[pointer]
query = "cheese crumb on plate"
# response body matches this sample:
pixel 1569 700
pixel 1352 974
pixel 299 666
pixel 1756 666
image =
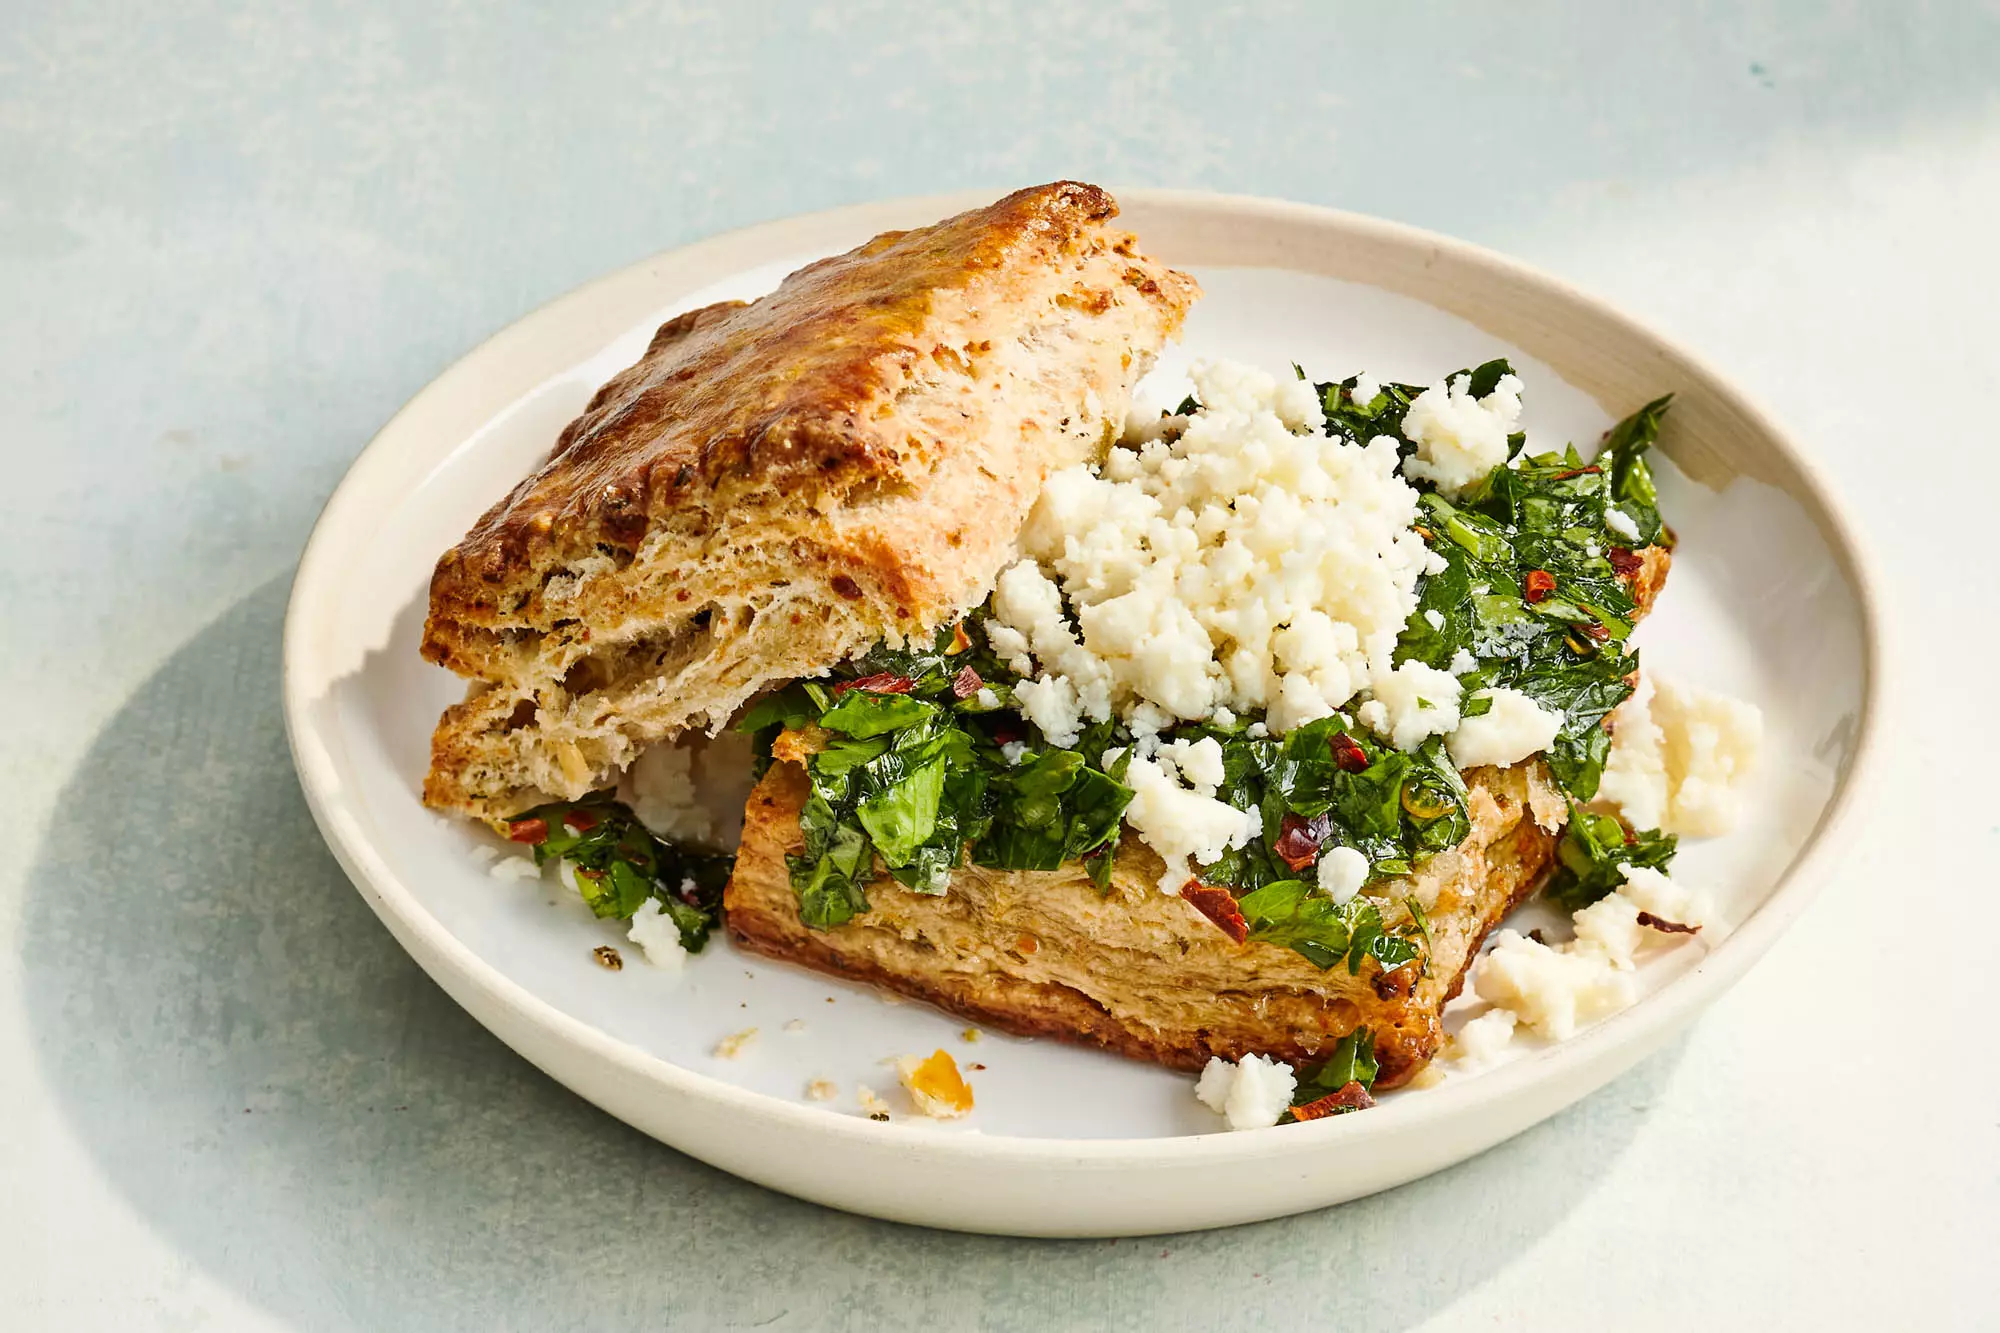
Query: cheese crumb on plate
pixel 1251 1093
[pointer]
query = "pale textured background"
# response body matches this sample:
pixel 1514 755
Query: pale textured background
pixel 232 243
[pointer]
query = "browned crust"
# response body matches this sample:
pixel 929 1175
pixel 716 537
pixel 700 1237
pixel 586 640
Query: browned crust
pixel 778 393
pixel 778 485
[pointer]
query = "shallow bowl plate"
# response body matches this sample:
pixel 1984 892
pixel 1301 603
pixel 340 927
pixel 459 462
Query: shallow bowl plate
pixel 1768 600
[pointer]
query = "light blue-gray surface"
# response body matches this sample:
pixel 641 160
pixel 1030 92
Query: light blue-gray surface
pixel 234 239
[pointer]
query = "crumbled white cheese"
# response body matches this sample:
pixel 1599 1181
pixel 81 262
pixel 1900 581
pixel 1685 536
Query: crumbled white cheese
pixel 515 867
pixel 1483 1039
pixel 691 790
pixel 1654 892
pixel 1342 872
pixel 1198 762
pixel 1508 732
pixel 1413 701
pixel 1365 389
pixel 656 934
pixel 1182 821
pixel 1051 703
pixel 1621 523
pixel 1554 989
pixel 1014 752
pixel 1252 1093
pixel 1462 663
pixel 1434 618
pixel 1460 438
pixel 1242 565
pixel 1680 757
pixel 986 698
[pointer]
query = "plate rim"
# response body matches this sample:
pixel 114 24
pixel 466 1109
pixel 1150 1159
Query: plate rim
pixel 1641 1026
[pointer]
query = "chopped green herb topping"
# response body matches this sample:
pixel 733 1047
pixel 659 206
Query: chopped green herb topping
pixel 1352 1063
pixel 619 864
pixel 1594 854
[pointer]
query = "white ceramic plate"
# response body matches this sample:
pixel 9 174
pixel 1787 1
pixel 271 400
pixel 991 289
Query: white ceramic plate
pixel 1768 600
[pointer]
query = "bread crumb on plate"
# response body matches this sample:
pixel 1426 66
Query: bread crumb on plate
pixel 935 1086
pixel 733 1045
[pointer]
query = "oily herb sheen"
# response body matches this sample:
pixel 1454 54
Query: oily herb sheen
pixel 619 865
pixel 917 760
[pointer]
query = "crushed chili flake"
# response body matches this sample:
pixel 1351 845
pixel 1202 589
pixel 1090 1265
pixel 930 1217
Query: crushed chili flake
pixel 1347 753
pixel 531 831
pixel 1297 843
pixel 579 821
pixel 1007 729
pixel 1219 906
pixel 882 682
pixel 966 683
pixel 1592 470
pixel 960 641
pixel 1666 926
pixel 1538 585
pixel 1350 1097
pixel 1625 561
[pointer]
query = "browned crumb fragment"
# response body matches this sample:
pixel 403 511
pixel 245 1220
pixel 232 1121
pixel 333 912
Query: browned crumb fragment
pixel 822 1090
pixel 607 957
pixel 935 1086
pixel 871 1104
pixel 970 1034
pixel 732 1045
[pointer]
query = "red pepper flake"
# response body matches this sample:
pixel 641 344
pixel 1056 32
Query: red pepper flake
pixel 1592 470
pixel 1347 753
pixel 1298 842
pixel 882 682
pixel 1539 584
pixel 1350 1097
pixel 960 640
pixel 966 683
pixel 530 831
pixel 1007 729
pixel 1597 630
pixel 1625 561
pixel 1219 906
pixel 579 821
pixel 1669 927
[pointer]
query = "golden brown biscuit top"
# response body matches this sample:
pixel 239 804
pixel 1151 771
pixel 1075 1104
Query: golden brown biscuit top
pixel 781 393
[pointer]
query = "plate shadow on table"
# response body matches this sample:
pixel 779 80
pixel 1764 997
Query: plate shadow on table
pixel 277 1088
